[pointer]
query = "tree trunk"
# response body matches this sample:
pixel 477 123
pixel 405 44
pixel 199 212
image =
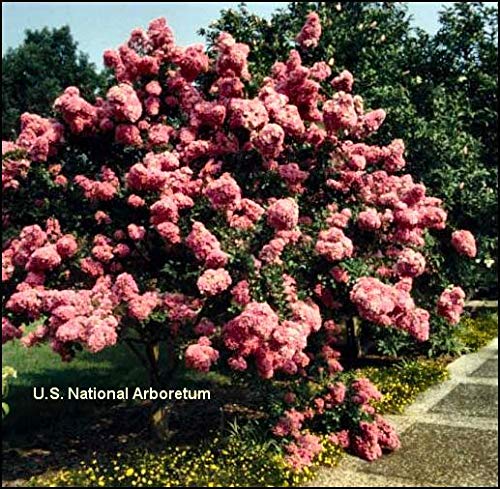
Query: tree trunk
pixel 353 345
pixel 160 410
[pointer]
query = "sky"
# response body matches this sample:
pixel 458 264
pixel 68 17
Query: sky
pixel 97 26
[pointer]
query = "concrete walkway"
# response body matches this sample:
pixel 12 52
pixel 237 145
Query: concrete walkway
pixel 449 436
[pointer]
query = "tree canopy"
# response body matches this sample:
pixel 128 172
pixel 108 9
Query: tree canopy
pixel 440 91
pixel 38 70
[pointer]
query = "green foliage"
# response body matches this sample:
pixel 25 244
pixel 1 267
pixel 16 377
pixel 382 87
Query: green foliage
pixel 38 70
pixel 439 93
pixel 474 333
pixel 7 373
pixel 235 461
pixel 401 383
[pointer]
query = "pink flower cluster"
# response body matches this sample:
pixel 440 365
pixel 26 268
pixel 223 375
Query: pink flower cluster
pixel 105 189
pixel 334 245
pixel 274 345
pixel 451 304
pixel 205 246
pixel 39 137
pixel 410 263
pixel 247 214
pixel 373 438
pixel 367 440
pixel 13 169
pixel 181 308
pixel 223 193
pixel 283 214
pixel 311 32
pixel 76 112
pixel 388 305
pixel 9 331
pixel 464 242
pixel 37 252
pixel 214 282
pixel 201 355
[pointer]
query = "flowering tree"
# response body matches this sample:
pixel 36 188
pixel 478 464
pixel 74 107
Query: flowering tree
pixel 237 229
pixel 439 91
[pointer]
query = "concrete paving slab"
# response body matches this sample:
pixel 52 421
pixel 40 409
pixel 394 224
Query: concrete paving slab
pixel 487 369
pixel 345 478
pixel 442 455
pixel 470 400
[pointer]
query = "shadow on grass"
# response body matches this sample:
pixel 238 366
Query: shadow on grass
pixel 38 435
pixel 44 435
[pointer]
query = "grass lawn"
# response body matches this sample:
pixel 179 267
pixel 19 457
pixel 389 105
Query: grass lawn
pixel 113 368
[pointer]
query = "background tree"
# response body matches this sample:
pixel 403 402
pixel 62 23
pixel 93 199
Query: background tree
pixel 38 70
pixel 440 91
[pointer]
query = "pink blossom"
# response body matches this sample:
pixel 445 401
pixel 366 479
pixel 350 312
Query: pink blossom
pixel 269 140
pixel 283 214
pixel 451 303
pixel 193 61
pixel 334 245
pixel 140 307
pixel 91 267
pixel 223 193
pixel 339 274
pixel 135 201
pixel 153 88
pixel 369 220
pixel 205 327
pixel 135 232
pixel 45 258
pixel 387 436
pixel 125 103
pixel 205 246
pixel 232 59
pixel 303 451
pixel 246 215
pixel 164 210
pixel 464 242
pixel 201 355
pixel 128 135
pixel 289 424
pixel 343 82
pixel 410 263
pixel 170 232
pixel 366 445
pixel 249 114
pixel 311 32
pixel 339 113
pixel 241 293
pixel 293 176
pixel 102 218
pixel 9 331
pixel 76 112
pixel 158 135
pixel 181 308
pixel 213 282
pixel 416 323
pixel 66 246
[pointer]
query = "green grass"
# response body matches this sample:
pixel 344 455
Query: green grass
pixel 113 368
